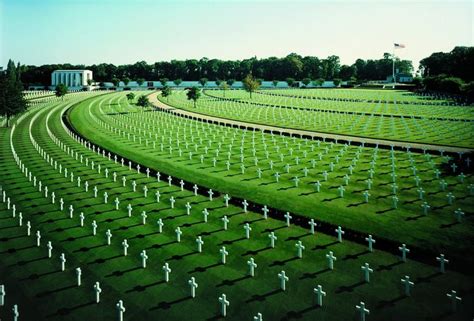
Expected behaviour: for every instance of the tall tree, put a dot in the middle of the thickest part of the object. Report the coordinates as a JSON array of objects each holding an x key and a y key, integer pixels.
[
  {"x": 163, "y": 81},
  {"x": 250, "y": 84},
  {"x": 12, "y": 101},
  {"x": 177, "y": 82},
  {"x": 126, "y": 80},
  {"x": 275, "y": 83},
  {"x": 130, "y": 97},
  {"x": 203, "y": 81},
  {"x": 290, "y": 81},
  {"x": 143, "y": 101},
  {"x": 116, "y": 81},
  {"x": 61, "y": 91},
  {"x": 306, "y": 81},
  {"x": 347, "y": 72},
  {"x": 140, "y": 81},
  {"x": 166, "y": 92},
  {"x": 224, "y": 86},
  {"x": 193, "y": 94},
  {"x": 230, "y": 82}
]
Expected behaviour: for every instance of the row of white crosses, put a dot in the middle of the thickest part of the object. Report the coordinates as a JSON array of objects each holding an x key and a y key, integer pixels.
[
  {"x": 300, "y": 247},
  {"x": 166, "y": 268},
  {"x": 395, "y": 200},
  {"x": 327, "y": 102},
  {"x": 274, "y": 114},
  {"x": 49, "y": 244},
  {"x": 288, "y": 223},
  {"x": 7, "y": 200},
  {"x": 366, "y": 194},
  {"x": 248, "y": 236},
  {"x": 245, "y": 209}
]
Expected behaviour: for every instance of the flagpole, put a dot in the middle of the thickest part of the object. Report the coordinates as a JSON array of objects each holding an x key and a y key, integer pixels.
[{"x": 393, "y": 64}]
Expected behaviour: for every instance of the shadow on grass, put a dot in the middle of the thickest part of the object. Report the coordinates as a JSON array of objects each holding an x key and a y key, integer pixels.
[
  {"x": 349, "y": 288},
  {"x": 330, "y": 199},
  {"x": 207, "y": 233},
  {"x": 253, "y": 221},
  {"x": 384, "y": 211},
  {"x": 249, "y": 179},
  {"x": 119, "y": 273},
  {"x": 6, "y": 239},
  {"x": 310, "y": 275},
  {"x": 141, "y": 236},
  {"x": 309, "y": 193},
  {"x": 273, "y": 229},
  {"x": 165, "y": 305},
  {"x": 267, "y": 183},
  {"x": 389, "y": 267},
  {"x": 255, "y": 252},
  {"x": 283, "y": 262},
  {"x": 22, "y": 263},
  {"x": 285, "y": 188},
  {"x": 201, "y": 269},
  {"x": 35, "y": 276},
  {"x": 355, "y": 256},
  {"x": 264, "y": 296},
  {"x": 296, "y": 238},
  {"x": 87, "y": 249},
  {"x": 46, "y": 293},
  {"x": 101, "y": 261},
  {"x": 390, "y": 303},
  {"x": 449, "y": 225},
  {"x": 229, "y": 242},
  {"x": 300, "y": 313},
  {"x": 415, "y": 218},
  {"x": 325, "y": 246},
  {"x": 355, "y": 204},
  {"x": 66, "y": 311},
  {"x": 233, "y": 281},
  {"x": 158, "y": 246},
  {"x": 178, "y": 257},
  {"x": 141, "y": 288}
]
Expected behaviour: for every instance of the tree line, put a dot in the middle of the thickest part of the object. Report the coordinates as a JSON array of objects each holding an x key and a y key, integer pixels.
[
  {"x": 450, "y": 72},
  {"x": 292, "y": 66}
]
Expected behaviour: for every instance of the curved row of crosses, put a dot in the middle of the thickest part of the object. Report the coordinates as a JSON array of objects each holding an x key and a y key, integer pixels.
[{"x": 171, "y": 251}]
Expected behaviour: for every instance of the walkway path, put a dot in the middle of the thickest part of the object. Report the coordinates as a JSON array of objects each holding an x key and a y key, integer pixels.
[{"x": 306, "y": 133}]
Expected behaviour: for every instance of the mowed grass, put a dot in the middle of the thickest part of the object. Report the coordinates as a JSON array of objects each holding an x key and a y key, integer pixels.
[
  {"x": 402, "y": 96},
  {"x": 44, "y": 292},
  {"x": 384, "y": 121},
  {"x": 370, "y": 105},
  {"x": 101, "y": 121}
]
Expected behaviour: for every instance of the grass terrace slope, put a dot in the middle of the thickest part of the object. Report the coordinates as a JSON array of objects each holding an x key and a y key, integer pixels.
[
  {"x": 40, "y": 149},
  {"x": 387, "y": 95},
  {"x": 297, "y": 175},
  {"x": 439, "y": 124}
]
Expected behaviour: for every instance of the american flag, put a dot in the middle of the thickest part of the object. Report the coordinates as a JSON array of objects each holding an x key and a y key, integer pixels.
[{"x": 399, "y": 45}]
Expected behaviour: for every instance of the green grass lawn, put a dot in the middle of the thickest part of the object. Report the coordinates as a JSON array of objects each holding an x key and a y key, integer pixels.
[
  {"x": 402, "y": 96},
  {"x": 438, "y": 231},
  {"x": 44, "y": 292},
  {"x": 408, "y": 123}
]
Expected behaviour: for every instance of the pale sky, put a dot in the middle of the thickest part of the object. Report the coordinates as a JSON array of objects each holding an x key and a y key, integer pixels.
[{"x": 117, "y": 31}]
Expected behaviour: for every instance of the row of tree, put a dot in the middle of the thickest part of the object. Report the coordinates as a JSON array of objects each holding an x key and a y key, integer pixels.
[
  {"x": 292, "y": 66},
  {"x": 458, "y": 63},
  {"x": 450, "y": 72}
]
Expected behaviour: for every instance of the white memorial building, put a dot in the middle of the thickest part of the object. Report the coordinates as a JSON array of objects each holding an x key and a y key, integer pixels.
[{"x": 74, "y": 79}]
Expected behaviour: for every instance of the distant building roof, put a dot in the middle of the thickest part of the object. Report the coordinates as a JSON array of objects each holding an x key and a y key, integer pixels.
[{"x": 63, "y": 70}]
